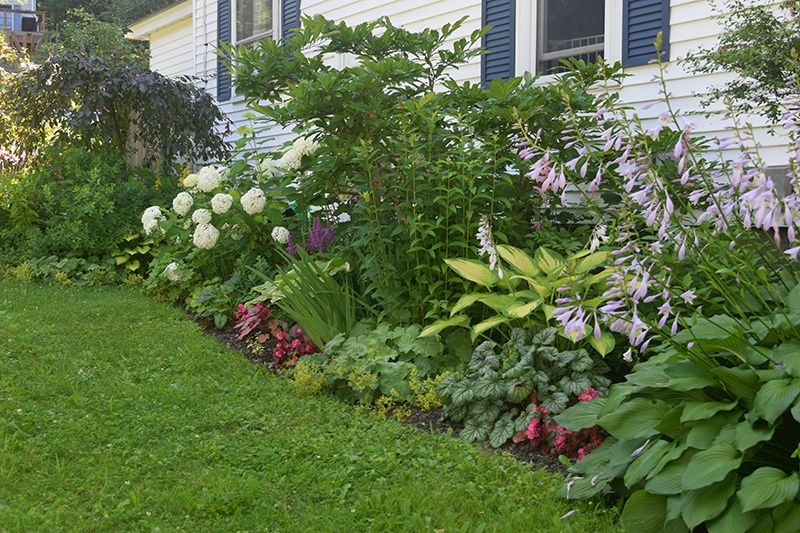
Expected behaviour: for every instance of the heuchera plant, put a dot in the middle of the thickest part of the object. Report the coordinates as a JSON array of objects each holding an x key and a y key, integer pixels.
[{"x": 292, "y": 346}]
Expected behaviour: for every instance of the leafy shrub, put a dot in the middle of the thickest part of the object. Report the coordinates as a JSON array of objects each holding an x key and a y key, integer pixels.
[
  {"x": 370, "y": 364},
  {"x": 493, "y": 395},
  {"x": 411, "y": 168},
  {"x": 89, "y": 102},
  {"x": 213, "y": 300},
  {"x": 65, "y": 271},
  {"x": 73, "y": 202}
]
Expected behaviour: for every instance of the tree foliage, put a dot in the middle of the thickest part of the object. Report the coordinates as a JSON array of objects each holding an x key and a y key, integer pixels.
[
  {"x": 74, "y": 99},
  {"x": 122, "y": 11}
]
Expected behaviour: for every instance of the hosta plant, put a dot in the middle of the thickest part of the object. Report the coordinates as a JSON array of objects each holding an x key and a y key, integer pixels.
[
  {"x": 707, "y": 432},
  {"x": 494, "y": 395},
  {"x": 530, "y": 291}
]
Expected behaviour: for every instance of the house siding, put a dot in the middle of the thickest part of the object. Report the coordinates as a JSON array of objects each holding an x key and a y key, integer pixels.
[
  {"x": 691, "y": 26},
  {"x": 171, "y": 50}
]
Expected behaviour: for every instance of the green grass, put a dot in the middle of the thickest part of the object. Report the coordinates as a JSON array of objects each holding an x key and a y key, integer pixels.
[{"x": 117, "y": 413}]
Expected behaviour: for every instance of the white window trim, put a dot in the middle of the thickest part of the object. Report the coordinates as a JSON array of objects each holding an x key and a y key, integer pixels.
[
  {"x": 276, "y": 25},
  {"x": 526, "y": 47}
]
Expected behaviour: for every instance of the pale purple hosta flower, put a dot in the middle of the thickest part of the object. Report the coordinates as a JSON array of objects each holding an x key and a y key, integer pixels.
[
  {"x": 638, "y": 451},
  {"x": 628, "y": 356},
  {"x": 567, "y": 515},
  {"x": 599, "y": 236},
  {"x": 688, "y": 297},
  {"x": 664, "y": 312},
  {"x": 792, "y": 252},
  {"x": 484, "y": 236}
]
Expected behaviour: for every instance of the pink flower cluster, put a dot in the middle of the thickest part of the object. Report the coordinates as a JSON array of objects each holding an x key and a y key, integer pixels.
[
  {"x": 291, "y": 347},
  {"x": 548, "y": 436}
]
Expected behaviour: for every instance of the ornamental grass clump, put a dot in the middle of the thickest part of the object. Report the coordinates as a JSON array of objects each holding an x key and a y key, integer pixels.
[{"x": 705, "y": 432}]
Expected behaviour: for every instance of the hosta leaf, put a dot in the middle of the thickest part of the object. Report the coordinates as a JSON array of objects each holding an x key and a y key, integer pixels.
[
  {"x": 670, "y": 479},
  {"x": 548, "y": 261},
  {"x": 747, "y": 436},
  {"x": 474, "y": 271},
  {"x": 606, "y": 343},
  {"x": 646, "y": 462},
  {"x": 644, "y": 513},
  {"x": 487, "y": 324},
  {"x": 636, "y": 418},
  {"x": 519, "y": 260},
  {"x": 440, "y": 325},
  {"x": 522, "y": 310},
  {"x": 466, "y": 301},
  {"x": 793, "y": 299},
  {"x": 768, "y": 487},
  {"x": 788, "y": 354},
  {"x": 703, "y": 410},
  {"x": 710, "y": 466},
  {"x": 741, "y": 383},
  {"x": 582, "y": 415},
  {"x": 732, "y": 520},
  {"x": 703, "y": 434},
  {"x": 503, "y": 430},
  {"x": 589, "y": 263},
  {"x": 499, "y": 302},
  {"x": 702, "y": 505},
  {"x": 786, "y": 517},
  {"x": 775, "y": 397}
]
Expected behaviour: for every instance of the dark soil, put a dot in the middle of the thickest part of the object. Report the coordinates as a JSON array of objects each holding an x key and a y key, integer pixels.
[{"x": 428, "y": 421}]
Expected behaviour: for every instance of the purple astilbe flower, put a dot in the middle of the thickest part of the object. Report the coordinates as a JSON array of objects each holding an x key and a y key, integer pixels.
[
  {"x": 320, "y": 238},
  {"x": 291, "y": 247}
]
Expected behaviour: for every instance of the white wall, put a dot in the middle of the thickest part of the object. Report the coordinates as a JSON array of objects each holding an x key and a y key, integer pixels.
[
  {"x": 171, "y": 50},
  {"x": 692, "y": 26}
]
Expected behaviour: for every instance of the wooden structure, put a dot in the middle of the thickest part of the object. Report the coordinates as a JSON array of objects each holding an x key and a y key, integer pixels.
[{"x": 22, "y": 29}]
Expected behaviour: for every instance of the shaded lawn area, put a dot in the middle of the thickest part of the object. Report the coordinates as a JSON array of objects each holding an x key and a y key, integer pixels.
[{"x": 117, "y": 413}]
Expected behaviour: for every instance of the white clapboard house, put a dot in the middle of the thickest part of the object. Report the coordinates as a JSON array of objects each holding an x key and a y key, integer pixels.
[
  {"x": 21, "y": 24},
  {"x": 526, "y": 36}
]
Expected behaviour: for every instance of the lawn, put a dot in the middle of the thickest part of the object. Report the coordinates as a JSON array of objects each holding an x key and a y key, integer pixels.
[{"x": 117, "y": 413}]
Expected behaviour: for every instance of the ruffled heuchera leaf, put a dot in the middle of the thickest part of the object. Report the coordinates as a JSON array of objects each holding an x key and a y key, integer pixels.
[
  {"x": 710, "y": 466},
  {"x": 768, "y": 487},
  {"x": 644, "y": 513},
  {"x": 503, "y": 430}
]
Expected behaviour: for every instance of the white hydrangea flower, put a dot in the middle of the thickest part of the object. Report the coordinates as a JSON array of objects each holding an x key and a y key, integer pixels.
[
  {"x": 150, "y": 219},
  {"x": 208, "y": 179},
  {"x": 205, "y": 236},
  {"x": 268, "y": 167},
  {"x": 344, "y": 217},
  {"x": 221, "y": 203},
  {"x": 201, "y": 216},
  {"x": 190, "y": 181},
  {"x": 172, "y": 273},
  {"x": 301, "y": 147},
  {"x": 182, "y": 203},
  {"x": 280, "y": 235},
  {"x": 254, "y": 201}
]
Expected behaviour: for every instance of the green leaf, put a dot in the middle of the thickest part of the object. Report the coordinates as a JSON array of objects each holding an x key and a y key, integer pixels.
[
  {"x": 548, "y": 261},
  {"x": 522, "y": 310},
  {"x": 669, "y": 479},
  {"x": 747, "y": 436},
  {"x": 768, "y": 487},
  {"x": 487, "y": 324},
  {"x": 503, "y": 430},
  {"x": 582, "y": 415},
  {"x": 793, "y": 299},
  {"x": 742, "y": 383},
  {"x": 702, "y": 505},
  {"x": 440, "y": 325},
  {"x": 606, "y": 343},
  {"x": 587, "y": 264},
  {"x": 636, "y": 418},
  {"x": 732, "y": 520},
  {"x": 474, "y": 271},
  {"x": 466, "y": 301},
  {"x": 644, "y": 513},
  {"x": 499, "y": 302},
  {"x": 646, "y": 462},
  {"x": 788, "y": 354},
  {"x": 519, "y": 260},
  {"x": 775, "y": 397},
  {"x": 710, "y": 466},
  {"x": 704, "y": 410}
]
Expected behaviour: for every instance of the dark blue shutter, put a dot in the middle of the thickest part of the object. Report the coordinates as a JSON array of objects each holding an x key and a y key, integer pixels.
[
  {"x": 641, "y": 22},
  {"x": 223, "y": 37},
  {"x": 290, "y": 17},
  {"x": 499, "y": 43}
]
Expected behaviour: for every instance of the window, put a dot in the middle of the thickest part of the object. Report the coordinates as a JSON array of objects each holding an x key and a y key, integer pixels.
[
  {"x": 569, "y": 29},
  {"x": 253, "y": 19}
]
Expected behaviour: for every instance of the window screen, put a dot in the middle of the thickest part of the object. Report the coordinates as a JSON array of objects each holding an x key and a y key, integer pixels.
[
  {"x": 253, "y": 18},
  {"x": 570, "y": 28}
]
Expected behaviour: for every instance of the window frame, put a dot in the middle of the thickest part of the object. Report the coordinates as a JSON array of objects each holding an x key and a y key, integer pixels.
[
  {"x": 271, "y": 33},
  {"x": 542, "y": 56}
]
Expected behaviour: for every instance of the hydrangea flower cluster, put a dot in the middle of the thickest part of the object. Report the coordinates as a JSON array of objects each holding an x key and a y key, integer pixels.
[
  {"x": 182, "y": 203},
  {"x": 254, "y": 201},
  {"x": 281, "y": 235},
  {"x": 205, "y": 236},
  {"x": 201, "y": 216},
  {"x": 291, "y": 347},
  {"x": 293, "y": 157},
  {"x": 221, "y": 203},
  {"x": 208, "y": 179},
  {"x": 547, "y": 436},
  {"x": 151, "y": 218}
]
